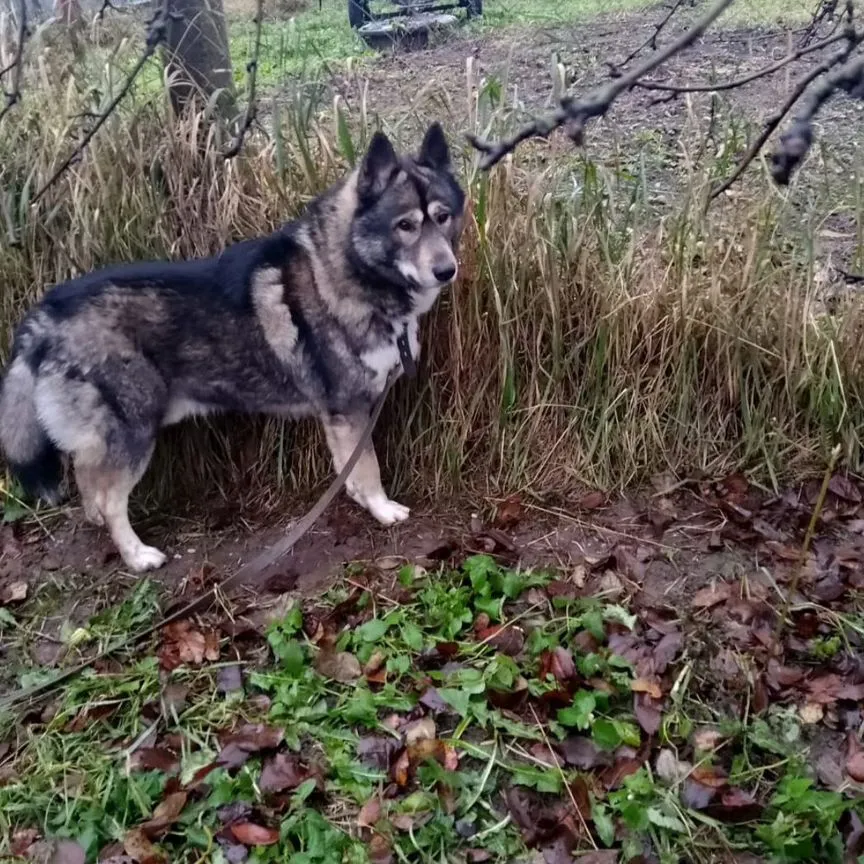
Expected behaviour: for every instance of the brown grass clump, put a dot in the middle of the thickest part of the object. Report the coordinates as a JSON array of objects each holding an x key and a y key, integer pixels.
[{"x": 588, "y": 342}]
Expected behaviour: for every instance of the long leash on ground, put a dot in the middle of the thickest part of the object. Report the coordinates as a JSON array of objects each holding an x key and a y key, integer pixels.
[{"x": 249, "y": 570}]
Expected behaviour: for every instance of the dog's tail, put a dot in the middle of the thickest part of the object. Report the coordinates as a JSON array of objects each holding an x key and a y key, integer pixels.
[{"x": 32, "y": 456}]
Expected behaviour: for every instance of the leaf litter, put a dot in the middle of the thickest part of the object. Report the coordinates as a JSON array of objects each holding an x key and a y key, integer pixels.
[{"x": 502, "y": 709}]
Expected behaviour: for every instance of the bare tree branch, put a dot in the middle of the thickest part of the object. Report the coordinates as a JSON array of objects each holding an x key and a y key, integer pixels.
[
  {"x": 573, "y": 114},
  {"x": 795, "y": 143},
  {"x": 16, "y": 66},
  {"x": 764, "y": 72},
  {"x": 156, "y": 31},
  {"x": 771, "y": 125},
  {"x": 251, "y": 100},
  {"x": 650, "y": 42}
]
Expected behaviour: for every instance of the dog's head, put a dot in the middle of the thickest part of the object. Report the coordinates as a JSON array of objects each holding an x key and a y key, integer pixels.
[{"x": 409, "y": 218}]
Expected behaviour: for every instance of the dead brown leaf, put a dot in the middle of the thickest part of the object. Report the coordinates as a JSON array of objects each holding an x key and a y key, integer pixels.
[
  {"x": 854, "y": 758},
  {"x": 648, "y": 712},
  {"x": 251, "y": 834},
  {"x": 137, "y": 845},
  {"x": 420, "y": 730},
  {"x": 369, "y": 813},
  {"x": 247, "y": 740},
  {"x": 68, "y": 852},
  {"x": 154, "y": 759},
  {"x": 506, "y": 638},
  {"x": 706, "y": 598},
  {"x": 341, "y": 666},
  {"x": 14, "y": 592},
  {"x": 282, "y": 772},
  {"x": 509, "y": 512},
  {"x": 649, "y": 686},
  {"x": 559, "y": 663},
  {"x": 165, "y": 814},
  {"x": 183, "y": 644}
]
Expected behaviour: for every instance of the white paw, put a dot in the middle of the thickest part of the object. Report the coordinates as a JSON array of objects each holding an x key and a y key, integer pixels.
[
  {"x": 387, "y": 512},
  {"x": 144, "y": 558}
]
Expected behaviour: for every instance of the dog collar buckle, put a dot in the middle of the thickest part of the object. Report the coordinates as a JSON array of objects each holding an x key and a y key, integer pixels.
[{"x": 408, "y": 364}]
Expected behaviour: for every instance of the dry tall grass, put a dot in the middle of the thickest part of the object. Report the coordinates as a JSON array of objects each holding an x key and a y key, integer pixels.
[{"x": 587, "y": 342}]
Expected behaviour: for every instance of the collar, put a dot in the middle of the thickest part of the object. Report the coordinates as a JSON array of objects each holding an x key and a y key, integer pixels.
[{"x": 408, "y": 365}]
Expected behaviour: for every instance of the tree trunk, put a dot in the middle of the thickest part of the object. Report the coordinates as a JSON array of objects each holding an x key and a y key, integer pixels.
[{"x": 197, "y": 55}]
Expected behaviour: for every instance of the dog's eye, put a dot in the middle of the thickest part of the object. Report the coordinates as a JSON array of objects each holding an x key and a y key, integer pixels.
[
  {"x": 443, "y": 217},
  {"x": 405, "y": 225}
]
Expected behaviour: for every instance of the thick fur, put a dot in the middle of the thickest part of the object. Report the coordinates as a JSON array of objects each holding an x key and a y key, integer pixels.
[{"x": 302, "y": 322}]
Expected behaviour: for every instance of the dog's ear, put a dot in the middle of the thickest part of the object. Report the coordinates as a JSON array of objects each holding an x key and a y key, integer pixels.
[
  {"x": 379, "y": 165},
  {"x": 434, "y": 151}
]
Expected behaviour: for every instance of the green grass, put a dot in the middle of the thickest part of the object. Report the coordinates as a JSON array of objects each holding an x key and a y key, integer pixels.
[{"x": 471, "y": 675}]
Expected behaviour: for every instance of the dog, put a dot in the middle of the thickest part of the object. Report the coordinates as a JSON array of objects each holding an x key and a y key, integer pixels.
[{"x": 307, "y": 321}]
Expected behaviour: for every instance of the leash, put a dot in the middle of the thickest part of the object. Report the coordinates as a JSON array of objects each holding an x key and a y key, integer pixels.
[{"x": 254, "y": 567}]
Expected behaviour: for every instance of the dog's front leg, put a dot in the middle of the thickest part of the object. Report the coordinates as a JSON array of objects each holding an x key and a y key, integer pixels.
[{"x": 364, "y": 482}]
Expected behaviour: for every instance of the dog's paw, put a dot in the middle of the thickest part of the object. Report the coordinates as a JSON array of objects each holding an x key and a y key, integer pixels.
[
  {"x": 145, "y": 558},
  {"x": 387, "y": 512}
]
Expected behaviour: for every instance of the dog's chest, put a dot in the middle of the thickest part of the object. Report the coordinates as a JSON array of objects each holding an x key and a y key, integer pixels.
[{"x": 382, "y": 359}]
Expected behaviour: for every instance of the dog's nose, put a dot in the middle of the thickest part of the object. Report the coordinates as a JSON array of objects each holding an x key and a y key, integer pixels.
[{"x": 444, "y": 274}]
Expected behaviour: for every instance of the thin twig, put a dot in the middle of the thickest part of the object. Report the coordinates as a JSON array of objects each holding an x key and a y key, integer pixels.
[
  {"x": 650, "y": 42},
  {"x": 746, "y": 79},
  {"x": 251, "y": 102},
  {"x": 574, "y": 113},
  {"x": 156, "y": 32}
]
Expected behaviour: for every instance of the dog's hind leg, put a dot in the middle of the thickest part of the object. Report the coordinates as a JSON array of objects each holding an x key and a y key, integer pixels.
[
  {"x": 86, "y": 480},
  {"x": 110, "y": 489},
  {"x": 364, "y": 481}
]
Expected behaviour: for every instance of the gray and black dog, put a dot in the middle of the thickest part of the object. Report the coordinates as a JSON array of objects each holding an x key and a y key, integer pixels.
[{"x": 309, "y": 320}]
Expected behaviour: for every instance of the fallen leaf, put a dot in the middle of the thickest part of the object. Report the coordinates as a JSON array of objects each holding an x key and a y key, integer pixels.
[
  {"x": 696, "y": 795},
  {"x": 854, "y": 758},
  {"x": 647, "y": 712},
  {"x": 505, "y": 638},
  {"x": 669, "y": 768},
  {"x": 666, "y": 650},
  {"x": 401, "y": 768},
  {"x": 509, "y": 512},
  {"x": 432, "y": 700},
  {"x": 559, "y": 663},
  {"x": 369, "y": 813},
  {"x": 844, "y": 488},
  {"x": 165, "y": 814},
  {"x": 341, "y": 666},
  {"x": 251, "y": 738},
  {"x": 591, "y": 500},
  {"x": 154, "y": 759},
  {"x": 706, "y": 598},
  {"x": 377, "y": 751},
  {"x": 254, "y": 835},
  {"x": 420, "y": 730},
  {"x": 600, "y": 856},
  {"x": 182, "y": 643},
  {"x": 14, "y": 592},
  {"x": 735, "y": 805},
  {"x": 374, "y": 663},
  {"x": 583, "y": 753},
  {"x": 282, "y": 772},
  {"x": 229, "y": 679},
  {"x": 137, "y": 845},
  {"x": 379, "y": 850},
  {"x": 645, "y": 685}
]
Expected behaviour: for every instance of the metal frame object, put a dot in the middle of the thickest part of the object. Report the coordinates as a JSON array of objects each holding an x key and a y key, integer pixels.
[{"x": 359, "y": 13}]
